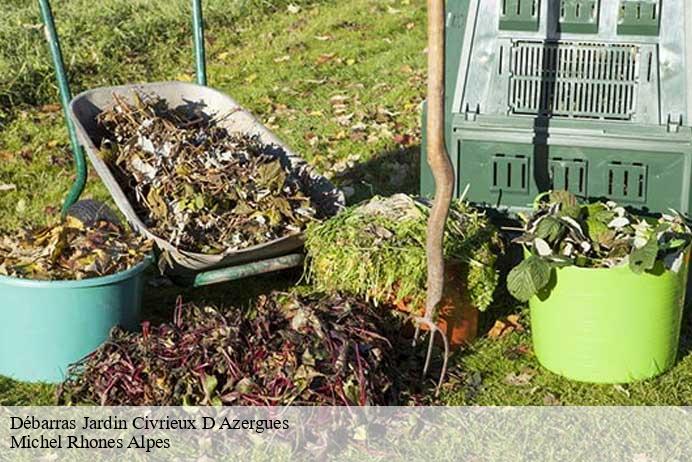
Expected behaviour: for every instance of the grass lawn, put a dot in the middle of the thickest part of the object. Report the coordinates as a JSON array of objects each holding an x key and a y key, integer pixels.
[{"x": 341, "y": 82}]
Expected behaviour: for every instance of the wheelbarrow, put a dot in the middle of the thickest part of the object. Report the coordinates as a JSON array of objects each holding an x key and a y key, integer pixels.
[{"x": 190, "y": 268}]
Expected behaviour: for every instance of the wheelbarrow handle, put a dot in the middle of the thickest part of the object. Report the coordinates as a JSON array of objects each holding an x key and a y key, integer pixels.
[
  {"x": 198, "y": 33},
  {"x": 66, "y": 94},
  {"x": 65, "y": 98},
  {"x": 248, "y": 269}
]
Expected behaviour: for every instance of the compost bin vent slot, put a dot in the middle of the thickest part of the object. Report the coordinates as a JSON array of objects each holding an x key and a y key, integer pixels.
[
  {"x": 510, "y": 173},
  {"x": 627, "y": 181},
  {"x": 569, "y": 175},
  {"x": 574, "y": 79}
]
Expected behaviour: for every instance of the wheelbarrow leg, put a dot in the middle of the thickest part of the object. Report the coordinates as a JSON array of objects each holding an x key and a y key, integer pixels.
[{"x": 65, "y": 98}]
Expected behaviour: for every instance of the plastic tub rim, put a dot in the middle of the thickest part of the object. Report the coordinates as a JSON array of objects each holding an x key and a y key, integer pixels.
[
  {"x": 527, "y": 253},
  {"x": 77, "y": 284}
]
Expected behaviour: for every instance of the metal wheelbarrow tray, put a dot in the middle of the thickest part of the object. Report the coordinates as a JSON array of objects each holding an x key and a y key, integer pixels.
[{"x": 85, "y": 108}]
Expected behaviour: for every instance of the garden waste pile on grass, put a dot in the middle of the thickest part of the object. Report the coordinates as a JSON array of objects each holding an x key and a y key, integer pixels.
[
  {"x": 71, "y": 250},
  {"x": 377, "y": 250},
  {"x": 563, "y": 232},
  {"x": 327, "y": 350},
  {"x": 198, "y": 186}
]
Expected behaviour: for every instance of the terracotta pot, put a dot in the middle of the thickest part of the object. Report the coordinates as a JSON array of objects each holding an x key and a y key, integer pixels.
[{"x": 457, "y": 316}]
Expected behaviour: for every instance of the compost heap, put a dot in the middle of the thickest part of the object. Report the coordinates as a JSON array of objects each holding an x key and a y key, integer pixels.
[
  {"x": 290, "y": 350},
  {"x": 71, "y": 250},
  {"x": 377, "y": 250},
  {"x": 563, "y": 232},
  {"x": 198, "y": 186}
]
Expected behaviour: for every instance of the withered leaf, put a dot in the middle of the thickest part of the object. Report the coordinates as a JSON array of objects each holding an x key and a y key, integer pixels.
[
  {"x": 327, "y": 350},
  {"x": 70, "y": 251},
  {"x": 195, "y": 183}
]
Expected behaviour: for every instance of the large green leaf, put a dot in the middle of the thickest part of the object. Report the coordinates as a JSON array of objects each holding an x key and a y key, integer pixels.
[
  {"x": 599, "y": 232},
  {"x": 569, "y": 203},
  {"x": 529, "y": 277},
  {"x": 563, "y": 197},
  {"x": 644, "y": 259},
  {"x": 549, "y": 229}
]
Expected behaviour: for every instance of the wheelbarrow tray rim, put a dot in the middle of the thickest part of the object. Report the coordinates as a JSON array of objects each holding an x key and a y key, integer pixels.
[{"x": 87, "y": 105}]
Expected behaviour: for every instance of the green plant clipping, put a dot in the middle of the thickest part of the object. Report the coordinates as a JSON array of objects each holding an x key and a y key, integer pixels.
[
  {"x": 562, "y": 232},
  {"x": 528, "y": 278},
  {"x": 377, "y": 250}
]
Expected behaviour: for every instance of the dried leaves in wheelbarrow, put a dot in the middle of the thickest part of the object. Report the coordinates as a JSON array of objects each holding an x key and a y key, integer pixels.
[
  {"x": 289, "y": 350},
  {"x": 71, "y": 250},
  {"x": 197, "y": 185}
]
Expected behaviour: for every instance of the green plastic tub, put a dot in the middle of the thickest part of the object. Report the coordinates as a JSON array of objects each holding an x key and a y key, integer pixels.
[
  {"x": 48, "y": 325},
  {"x": 609, "y": 325}
]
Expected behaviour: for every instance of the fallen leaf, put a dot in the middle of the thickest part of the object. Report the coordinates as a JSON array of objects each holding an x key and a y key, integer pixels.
[
  {"x": 514, "y": 320},
  {"x": 520, "y": 379},
  {"x": 7, "y": 187},
  {"x": 325, "y": 58},
  {"x": 506, "y": 326},
  {"x": 622, "y": 390},
  {"x": 514, "y": 353},
  {"x": 551, "y": 400},
  {"x": 21, "y": 206},
  {"x": 338, "y": 99},
  {"x": 403, "y": 140},
  {"x": 50, "y": 108},
  {"x": 184, "y": 77}
]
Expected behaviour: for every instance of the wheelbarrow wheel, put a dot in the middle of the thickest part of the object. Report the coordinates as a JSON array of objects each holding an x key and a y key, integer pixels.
[{"x": 90, "y": 212}]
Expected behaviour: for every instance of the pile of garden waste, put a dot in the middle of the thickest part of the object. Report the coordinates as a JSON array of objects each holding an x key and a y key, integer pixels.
[
  {"x": 563, "y": 232},
  {"x": 376, "y": 250},
  {"x": 197, "y": 185},
  {"x": 70, "y": 250},
  {"x": 289, "y": 349}
]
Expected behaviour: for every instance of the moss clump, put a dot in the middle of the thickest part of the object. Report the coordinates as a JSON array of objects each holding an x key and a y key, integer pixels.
[{"x": 377, "y": 250}]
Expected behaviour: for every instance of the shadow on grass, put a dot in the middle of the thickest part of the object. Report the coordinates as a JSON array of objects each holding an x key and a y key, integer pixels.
[
  {"x": 686, "y": 329},
  {"x": 391, "y": 172},
  {"x": 159, "y": 302}
]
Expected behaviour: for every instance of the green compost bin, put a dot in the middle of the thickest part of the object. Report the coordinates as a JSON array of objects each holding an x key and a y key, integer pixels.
[
  {"x": 48, "y": 325},
  {"x": 609, "y": 325}
]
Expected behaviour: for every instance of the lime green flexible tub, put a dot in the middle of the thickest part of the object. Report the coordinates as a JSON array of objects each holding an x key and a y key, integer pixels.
[
  {"x": 609, "y": 325},
  {"x": 48, "y": 325}
]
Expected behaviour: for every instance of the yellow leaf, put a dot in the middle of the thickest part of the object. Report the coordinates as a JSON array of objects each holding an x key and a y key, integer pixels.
[
  {"x": 73, "y": 223},
  {"x": 184, "y": 77}
]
